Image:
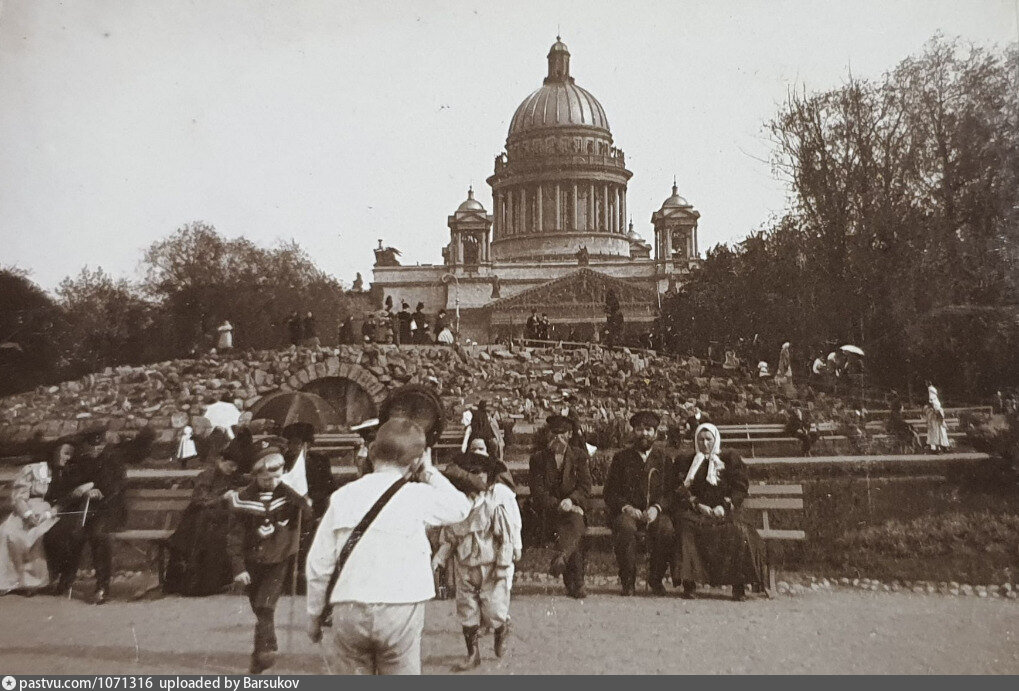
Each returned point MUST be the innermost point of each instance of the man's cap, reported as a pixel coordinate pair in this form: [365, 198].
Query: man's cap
[416, 403]
[399, 441]
[645, 418]
[559, 424]
[303, 431]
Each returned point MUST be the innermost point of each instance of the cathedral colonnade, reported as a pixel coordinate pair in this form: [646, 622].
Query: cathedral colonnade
[580, 206]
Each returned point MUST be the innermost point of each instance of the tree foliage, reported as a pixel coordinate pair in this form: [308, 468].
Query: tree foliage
[902, 231]
[28, 316]
[192, 281]
[201, 278]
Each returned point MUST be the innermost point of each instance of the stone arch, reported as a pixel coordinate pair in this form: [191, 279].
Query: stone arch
[354, 391]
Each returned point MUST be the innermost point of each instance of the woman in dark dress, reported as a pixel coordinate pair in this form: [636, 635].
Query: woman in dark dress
[717, 548]
[198, 563]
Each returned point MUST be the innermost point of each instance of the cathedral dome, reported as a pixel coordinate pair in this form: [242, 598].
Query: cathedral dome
[559, 102]
[471, 204]
[675, 200]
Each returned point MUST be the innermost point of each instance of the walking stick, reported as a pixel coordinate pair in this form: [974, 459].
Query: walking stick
[293, 583]
[84, 515]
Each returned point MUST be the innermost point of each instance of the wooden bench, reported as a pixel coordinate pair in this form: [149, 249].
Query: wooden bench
[345, 442]
[762, 498]
[167, 505]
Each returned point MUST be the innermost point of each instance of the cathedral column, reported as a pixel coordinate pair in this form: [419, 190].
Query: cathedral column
[573, 209]
[508, 206]
[497, 208]
[618, 225]
[623, 211]
[605, 207]
[591, 206]
[541, 214]
[558, 209]
[525, 217]
[517, 211]
[459, 250]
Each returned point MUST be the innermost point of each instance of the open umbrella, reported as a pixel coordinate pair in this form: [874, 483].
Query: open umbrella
[287, 407]
[852, 350]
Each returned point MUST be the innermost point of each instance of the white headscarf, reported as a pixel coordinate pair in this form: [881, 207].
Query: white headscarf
[715, 465]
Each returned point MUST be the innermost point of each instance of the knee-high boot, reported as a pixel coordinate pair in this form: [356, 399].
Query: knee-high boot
[473, 658]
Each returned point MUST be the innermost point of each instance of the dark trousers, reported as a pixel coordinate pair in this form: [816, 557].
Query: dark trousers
[64, 543]
[263, 593]
[661, 538]
[570, 529]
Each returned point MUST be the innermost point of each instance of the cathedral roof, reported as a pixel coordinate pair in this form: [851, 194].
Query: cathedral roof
[675, 200]
[471, 204]
[559, 102]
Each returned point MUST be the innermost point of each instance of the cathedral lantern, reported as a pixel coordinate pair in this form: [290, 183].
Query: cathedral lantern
[675, 233]
[469, 231]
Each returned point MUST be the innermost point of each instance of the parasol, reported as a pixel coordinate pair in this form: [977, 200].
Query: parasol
[853, 350]
[287, 407]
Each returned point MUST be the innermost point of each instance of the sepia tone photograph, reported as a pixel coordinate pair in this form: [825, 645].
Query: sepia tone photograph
[531, 338]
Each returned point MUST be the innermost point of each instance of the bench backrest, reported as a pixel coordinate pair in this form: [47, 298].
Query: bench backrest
[767, 498]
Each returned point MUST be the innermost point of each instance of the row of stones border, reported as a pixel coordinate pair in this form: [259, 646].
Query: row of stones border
[333, 367]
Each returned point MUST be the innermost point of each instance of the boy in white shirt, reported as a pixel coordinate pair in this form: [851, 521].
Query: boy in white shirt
[485, 546]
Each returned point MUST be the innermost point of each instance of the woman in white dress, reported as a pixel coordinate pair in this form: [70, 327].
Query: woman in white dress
[22, 556]
[937, 427]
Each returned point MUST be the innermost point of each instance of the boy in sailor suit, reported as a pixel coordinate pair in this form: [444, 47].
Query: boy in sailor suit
[264, 534]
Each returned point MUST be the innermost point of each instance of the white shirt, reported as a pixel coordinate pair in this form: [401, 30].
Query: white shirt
[392, 562]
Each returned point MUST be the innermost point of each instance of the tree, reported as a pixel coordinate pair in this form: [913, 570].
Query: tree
[201, 278]
[904, 213]
[28, 321]
[106, 323]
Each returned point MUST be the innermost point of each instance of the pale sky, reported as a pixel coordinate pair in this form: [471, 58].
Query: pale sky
[337, 123]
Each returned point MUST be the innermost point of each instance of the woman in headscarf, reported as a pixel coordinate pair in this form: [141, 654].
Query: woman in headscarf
[23, 565]
[717, 548]
[198, 563]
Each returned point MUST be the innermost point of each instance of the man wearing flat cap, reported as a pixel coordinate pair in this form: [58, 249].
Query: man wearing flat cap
[262, 538]
[560, 482]
[378, 597]
[637, 501]
[91, 494]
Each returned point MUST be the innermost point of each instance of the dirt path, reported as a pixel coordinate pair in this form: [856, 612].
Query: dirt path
[818, 632]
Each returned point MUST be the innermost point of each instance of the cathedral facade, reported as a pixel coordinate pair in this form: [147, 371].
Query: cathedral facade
[557, 241]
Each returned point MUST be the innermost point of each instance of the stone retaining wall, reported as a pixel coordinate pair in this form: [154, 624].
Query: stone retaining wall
[165, 395]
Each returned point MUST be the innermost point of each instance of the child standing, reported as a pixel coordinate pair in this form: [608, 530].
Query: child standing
[485, 546]
[264, 534]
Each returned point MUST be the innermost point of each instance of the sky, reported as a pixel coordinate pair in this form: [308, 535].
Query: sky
[338, 123]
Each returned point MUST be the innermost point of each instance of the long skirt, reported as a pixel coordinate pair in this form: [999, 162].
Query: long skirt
[937, 433]
[719, 551]
[198, 563]
[22, 556]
